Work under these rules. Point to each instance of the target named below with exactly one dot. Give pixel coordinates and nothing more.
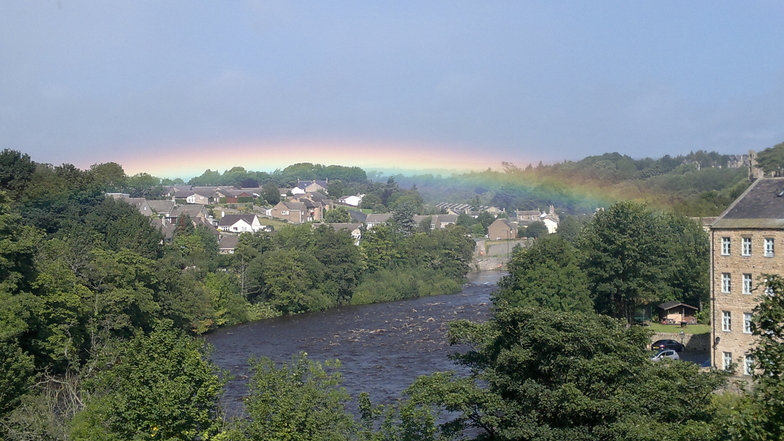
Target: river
(383, 347)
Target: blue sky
(522, 81)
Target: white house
(240, 223)
(353, 200)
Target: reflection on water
(382, 347)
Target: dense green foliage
(155, 386)
(624, 258)
(547, 375)
(546, 275)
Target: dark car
(667, 344)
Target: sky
(175, 87)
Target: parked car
(667, 344)
(666, 353)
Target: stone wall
(692, 342)
(494, 255)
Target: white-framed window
(769, 250)
(748, 365)
(746, 284)
(284, 213)
(726, 321)
(747, 323)
(745, 249)
(725, 246)
(726, 282)
(727, 360)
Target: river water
(383, 347)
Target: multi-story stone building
(747, 242)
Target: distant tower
(754, 171)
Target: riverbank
(383, 347)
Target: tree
(16, 375)
(299, 401)
(270, 192)
(535, 229)
(771, 160)
(160, 386)
(403, 219)
(626, 258)
(546, 275)
(337, 215)
(567, 376)
(16, 171)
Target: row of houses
(206, 195)
(507, 228)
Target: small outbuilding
(675, 313)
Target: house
(354, 229)
(528, 215)
(239, 223)
(194, 197)
(444, 220)
(501, 229)
(161, 208)
(311, 186)
(743, 240)
(675, 312)
(353, 200)
(166, 228)
(194, 211)
(141, 204)
(294, 212)
(374, 219)
(228, 243)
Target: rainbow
(189, 160)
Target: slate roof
(761, 206)
(669, 305)
(231, 219)
(357, 216)
(161, 206)
(228, 242)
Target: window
(726, 321)
(748, 365)
(725, 246)
(746, 246)
(768, 247)
(747, 322)
(726, 282)
(727, 358)
(746, 284)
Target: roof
(357, 216)
(161, 207)
(294, 206)
(231, 219)
(377, 218)
(228, 242)
(345, 226)
(761, 206)
(669, 305)
(502, 222)
(194, 210)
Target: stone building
(744, 241)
